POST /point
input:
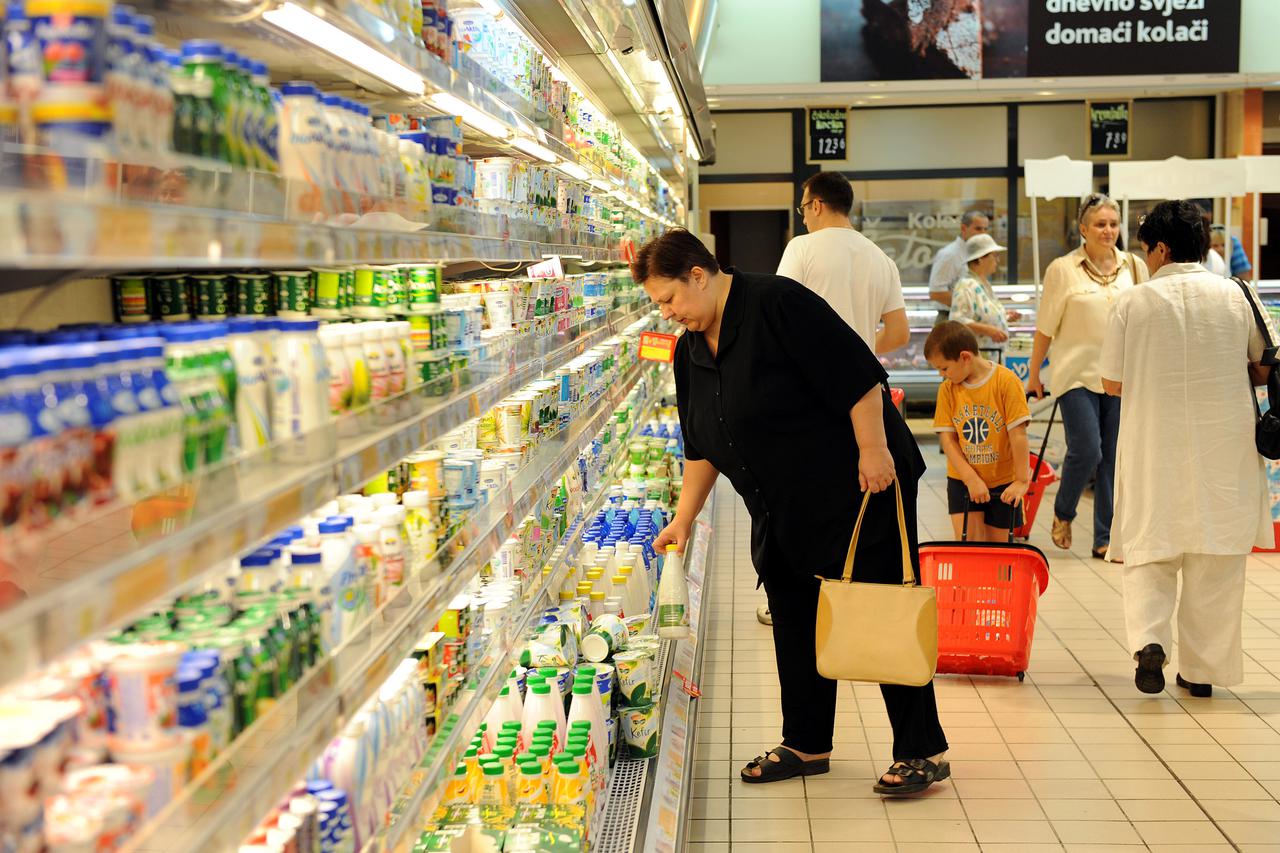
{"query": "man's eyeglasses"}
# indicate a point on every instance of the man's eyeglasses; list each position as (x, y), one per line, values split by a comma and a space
(800, 209)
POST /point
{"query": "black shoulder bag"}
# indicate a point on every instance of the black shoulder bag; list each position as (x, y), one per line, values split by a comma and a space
(1267, 432)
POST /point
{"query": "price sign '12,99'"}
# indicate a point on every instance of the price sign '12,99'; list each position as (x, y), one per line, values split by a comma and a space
(828, 134)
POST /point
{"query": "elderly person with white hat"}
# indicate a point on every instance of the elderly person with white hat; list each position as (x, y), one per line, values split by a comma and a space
(974, 303)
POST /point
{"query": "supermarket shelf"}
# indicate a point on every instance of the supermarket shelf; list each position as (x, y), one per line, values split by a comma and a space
(653, 822)
(114, 576)
(291, 55)
(445, 751)
(49, 231)
(218, 810)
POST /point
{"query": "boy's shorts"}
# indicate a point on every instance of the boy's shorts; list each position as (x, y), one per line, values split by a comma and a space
(995, 512)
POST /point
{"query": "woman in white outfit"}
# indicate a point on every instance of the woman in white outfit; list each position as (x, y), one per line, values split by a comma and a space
(1191, 494)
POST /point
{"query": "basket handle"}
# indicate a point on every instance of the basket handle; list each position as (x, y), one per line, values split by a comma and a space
(968, 507)
(908, 573)
(1044, 445)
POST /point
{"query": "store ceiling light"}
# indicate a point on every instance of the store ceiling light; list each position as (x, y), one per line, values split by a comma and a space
(534, 149)
(297, 21)
(471, 116)
(573, 170)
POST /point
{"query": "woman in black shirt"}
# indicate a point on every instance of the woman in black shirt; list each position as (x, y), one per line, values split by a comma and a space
(776, 392)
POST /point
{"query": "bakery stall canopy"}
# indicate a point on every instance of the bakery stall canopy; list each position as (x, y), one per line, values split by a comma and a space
(1057, 177)
(1176, 177)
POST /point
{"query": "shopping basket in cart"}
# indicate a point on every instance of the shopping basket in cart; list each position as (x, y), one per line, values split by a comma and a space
(1042, 476)
(898, 396)
(987, 595)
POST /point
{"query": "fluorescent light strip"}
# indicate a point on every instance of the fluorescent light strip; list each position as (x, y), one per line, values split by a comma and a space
(574, 171)
(471, 116)
(295, 20)
(603, 186)
(534, 149)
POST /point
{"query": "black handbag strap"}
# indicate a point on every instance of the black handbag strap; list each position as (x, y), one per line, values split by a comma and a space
(1269, 358)
(1268, 345)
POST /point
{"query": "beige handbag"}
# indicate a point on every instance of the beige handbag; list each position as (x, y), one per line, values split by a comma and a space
(877, 632)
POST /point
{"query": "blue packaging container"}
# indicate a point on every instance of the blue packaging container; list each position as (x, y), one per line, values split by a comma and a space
(72, 37)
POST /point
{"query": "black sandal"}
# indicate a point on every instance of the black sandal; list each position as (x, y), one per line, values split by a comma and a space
(915, 775)
(788, 765)
(1200, 691)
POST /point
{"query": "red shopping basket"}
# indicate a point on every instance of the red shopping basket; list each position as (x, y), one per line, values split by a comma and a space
(1042, 476)
(897, 395)
(987, 594)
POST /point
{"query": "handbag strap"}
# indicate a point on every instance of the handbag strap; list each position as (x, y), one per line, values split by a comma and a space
(1269, 347)
(908, 573)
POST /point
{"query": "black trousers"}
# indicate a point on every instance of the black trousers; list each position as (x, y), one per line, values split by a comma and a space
(808, 699)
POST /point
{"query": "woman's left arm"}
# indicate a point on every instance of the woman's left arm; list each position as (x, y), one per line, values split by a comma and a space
(875, 462)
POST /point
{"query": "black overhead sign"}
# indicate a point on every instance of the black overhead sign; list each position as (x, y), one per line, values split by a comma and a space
(1109, 128)
(828, 134)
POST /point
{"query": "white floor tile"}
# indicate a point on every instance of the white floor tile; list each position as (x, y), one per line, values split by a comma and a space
(1072, 759)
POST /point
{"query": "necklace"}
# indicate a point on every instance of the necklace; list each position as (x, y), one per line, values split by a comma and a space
(1099, 278)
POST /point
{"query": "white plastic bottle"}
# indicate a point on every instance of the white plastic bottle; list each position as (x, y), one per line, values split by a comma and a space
(253, 397)
(375, 356)
(338, 140)
(543, 702)
(340, 378)
(300, 383)
(586, 705)
(340, 583)
(397, 368)
(391, 545)
(673, 598)
(304, 155)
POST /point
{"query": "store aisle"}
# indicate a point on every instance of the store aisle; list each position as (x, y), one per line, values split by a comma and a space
(1073, 759)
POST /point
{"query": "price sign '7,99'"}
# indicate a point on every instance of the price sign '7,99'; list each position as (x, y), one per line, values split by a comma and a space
(1109, 128)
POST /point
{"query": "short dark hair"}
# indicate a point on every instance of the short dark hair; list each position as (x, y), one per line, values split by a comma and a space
(1179, 224)
(672, 255)
(949, 339)
(834, 189)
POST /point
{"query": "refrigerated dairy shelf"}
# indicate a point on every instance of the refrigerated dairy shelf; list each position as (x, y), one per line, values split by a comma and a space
(220, 808)
(403, 75)
(232, 508)
(407, 816)
(49, 231)
(648, 798)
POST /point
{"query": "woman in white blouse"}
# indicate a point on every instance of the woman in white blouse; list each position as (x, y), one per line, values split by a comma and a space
(974, 303)
(1079, 289)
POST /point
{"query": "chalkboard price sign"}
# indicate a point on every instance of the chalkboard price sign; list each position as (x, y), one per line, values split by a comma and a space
(1109, 128)
(828, 134)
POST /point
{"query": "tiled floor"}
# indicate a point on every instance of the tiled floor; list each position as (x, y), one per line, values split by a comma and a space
(1073, 759)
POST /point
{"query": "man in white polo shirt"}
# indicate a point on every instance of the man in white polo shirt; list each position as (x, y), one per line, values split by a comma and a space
(950, 264)
(842, 266)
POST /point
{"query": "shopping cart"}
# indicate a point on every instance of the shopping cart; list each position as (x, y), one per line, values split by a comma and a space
(987, 595)
(1042, 476)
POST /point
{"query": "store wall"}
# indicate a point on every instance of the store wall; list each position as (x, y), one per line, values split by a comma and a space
(751, 143)
(764, 41)
(924, 138)
(765, 195)
(1159, 129)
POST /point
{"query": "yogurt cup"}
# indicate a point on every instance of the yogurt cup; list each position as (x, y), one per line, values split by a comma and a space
(168, 764)
(640, 730)
(608, 635)
(635, 678)
(143, 694)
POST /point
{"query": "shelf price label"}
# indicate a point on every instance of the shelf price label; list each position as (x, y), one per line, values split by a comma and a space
(828, 134)
(655, 346)
(1109, 128)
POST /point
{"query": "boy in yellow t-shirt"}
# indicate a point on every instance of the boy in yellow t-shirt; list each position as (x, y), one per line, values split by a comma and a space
(981, 420)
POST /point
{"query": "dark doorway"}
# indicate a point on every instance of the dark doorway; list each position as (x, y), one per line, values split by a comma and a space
(750, 240)
(1269, 255)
